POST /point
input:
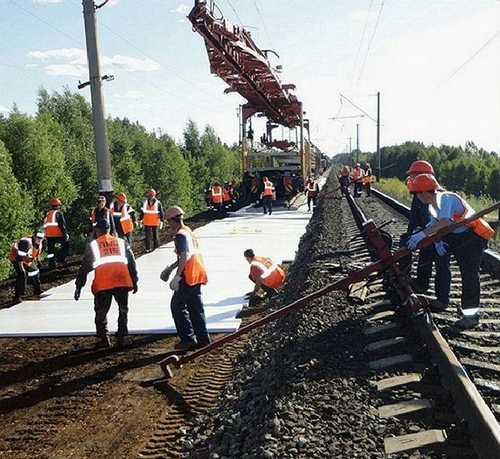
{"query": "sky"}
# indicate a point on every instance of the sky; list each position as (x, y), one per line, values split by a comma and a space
(436, 64)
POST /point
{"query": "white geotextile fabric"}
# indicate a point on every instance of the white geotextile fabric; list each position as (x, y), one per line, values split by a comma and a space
(222, 244)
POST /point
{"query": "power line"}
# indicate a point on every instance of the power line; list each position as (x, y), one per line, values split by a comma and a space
(371, 40)
(475, 54)
(358, 107)
(234, 10)
(262, 20)
(362, 39)
(48, 24)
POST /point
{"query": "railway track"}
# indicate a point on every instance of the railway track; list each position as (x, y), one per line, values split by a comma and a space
(468, 361)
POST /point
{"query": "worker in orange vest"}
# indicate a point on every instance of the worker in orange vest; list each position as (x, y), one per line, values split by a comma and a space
(311, 191)
(466, 243)
(25, 256)
(115, 276)
(367, 179)
(101, 212)
(186, 304)
(56, 233)
(264, 273)
(357, 179)
(124, 217)
(226, 196)
(267, 195)
(151, 216)
(217, 197)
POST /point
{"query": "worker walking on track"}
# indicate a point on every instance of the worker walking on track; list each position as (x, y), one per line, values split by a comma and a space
(312, 192)
(466, 243)
(151, 216)
(428, 256)
(101, 212)
(216, 197)
(56, 233)
(357, 179)
(344, 180)
(25, 256)
(264, 273)
(186, 304)
(115, 275)
(267, 195)
(367, 179)
(124, 217)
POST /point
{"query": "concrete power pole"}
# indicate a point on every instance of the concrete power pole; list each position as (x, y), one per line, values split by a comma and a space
(104, 177)
(305, 172)
(378, 139)
(357, 142)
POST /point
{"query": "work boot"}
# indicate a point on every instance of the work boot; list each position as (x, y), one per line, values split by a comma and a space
(467, 322)
(185, 345)
(103, 342)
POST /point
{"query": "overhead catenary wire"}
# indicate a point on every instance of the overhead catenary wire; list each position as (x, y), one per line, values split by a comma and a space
(363, 34)
(234, 11)
(372, 38)
(259, 12)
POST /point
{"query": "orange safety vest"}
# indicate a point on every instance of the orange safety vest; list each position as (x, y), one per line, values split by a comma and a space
(288, 183)
(479, 226)
(110, 264)
(125, 220)
(311, 190)
(29, 257)
(271, 275)
(50, 225)
(151, 213)
(226, 195)
(268, 189)
(194, 272)
(217, 195)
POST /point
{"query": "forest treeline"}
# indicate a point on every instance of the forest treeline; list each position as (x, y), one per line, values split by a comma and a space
(51, 154)
(469, 169)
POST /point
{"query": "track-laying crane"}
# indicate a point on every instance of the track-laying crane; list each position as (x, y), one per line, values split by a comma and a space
(237, 60)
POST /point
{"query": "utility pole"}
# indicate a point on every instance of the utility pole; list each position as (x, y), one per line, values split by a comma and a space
(104, 177)
(350, 145)
(357, 142)
(302, 151)
(379, 175)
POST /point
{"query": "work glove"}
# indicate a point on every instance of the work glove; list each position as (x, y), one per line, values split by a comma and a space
(441, 248)
(165, 274)
(134, 290)
(175, 282)
(415, 239)
(77, 294)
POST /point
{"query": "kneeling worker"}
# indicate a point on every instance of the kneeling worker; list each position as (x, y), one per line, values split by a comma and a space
(115, 275)
(186, 304)
(466, 243)
(264, 273)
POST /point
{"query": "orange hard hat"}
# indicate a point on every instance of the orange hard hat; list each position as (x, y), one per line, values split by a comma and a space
(420, 167)
(173, 212)
(421, 183)
(151, 193)
(122, 197)
(55, 202)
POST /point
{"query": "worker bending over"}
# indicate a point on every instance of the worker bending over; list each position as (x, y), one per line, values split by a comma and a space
(124, 217)
(312, 192)
(115, 275)
(25, 256)
(56, 233)
(466, 243)
(267, 195)
(101, 212)
(151, 216)
(186, 303)
(264, 273)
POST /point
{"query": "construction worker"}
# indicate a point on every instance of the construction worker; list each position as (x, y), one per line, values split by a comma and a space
(151, 216)
(267, 195)
(56, 233)
(186, 304)
(115, 275)
(367, 179)
(217, 197)
(124, 217)
(357, 179)
(344, 180)
(25, 256)
(264, 273)
(312, 191)
(466, 243)
(428, 256)
(227, 199)
(101, 212)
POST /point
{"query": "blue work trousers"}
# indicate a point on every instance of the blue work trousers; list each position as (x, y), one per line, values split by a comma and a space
(189, 317)
(442, 282)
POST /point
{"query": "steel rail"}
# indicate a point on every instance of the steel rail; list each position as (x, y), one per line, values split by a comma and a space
(481, 422)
